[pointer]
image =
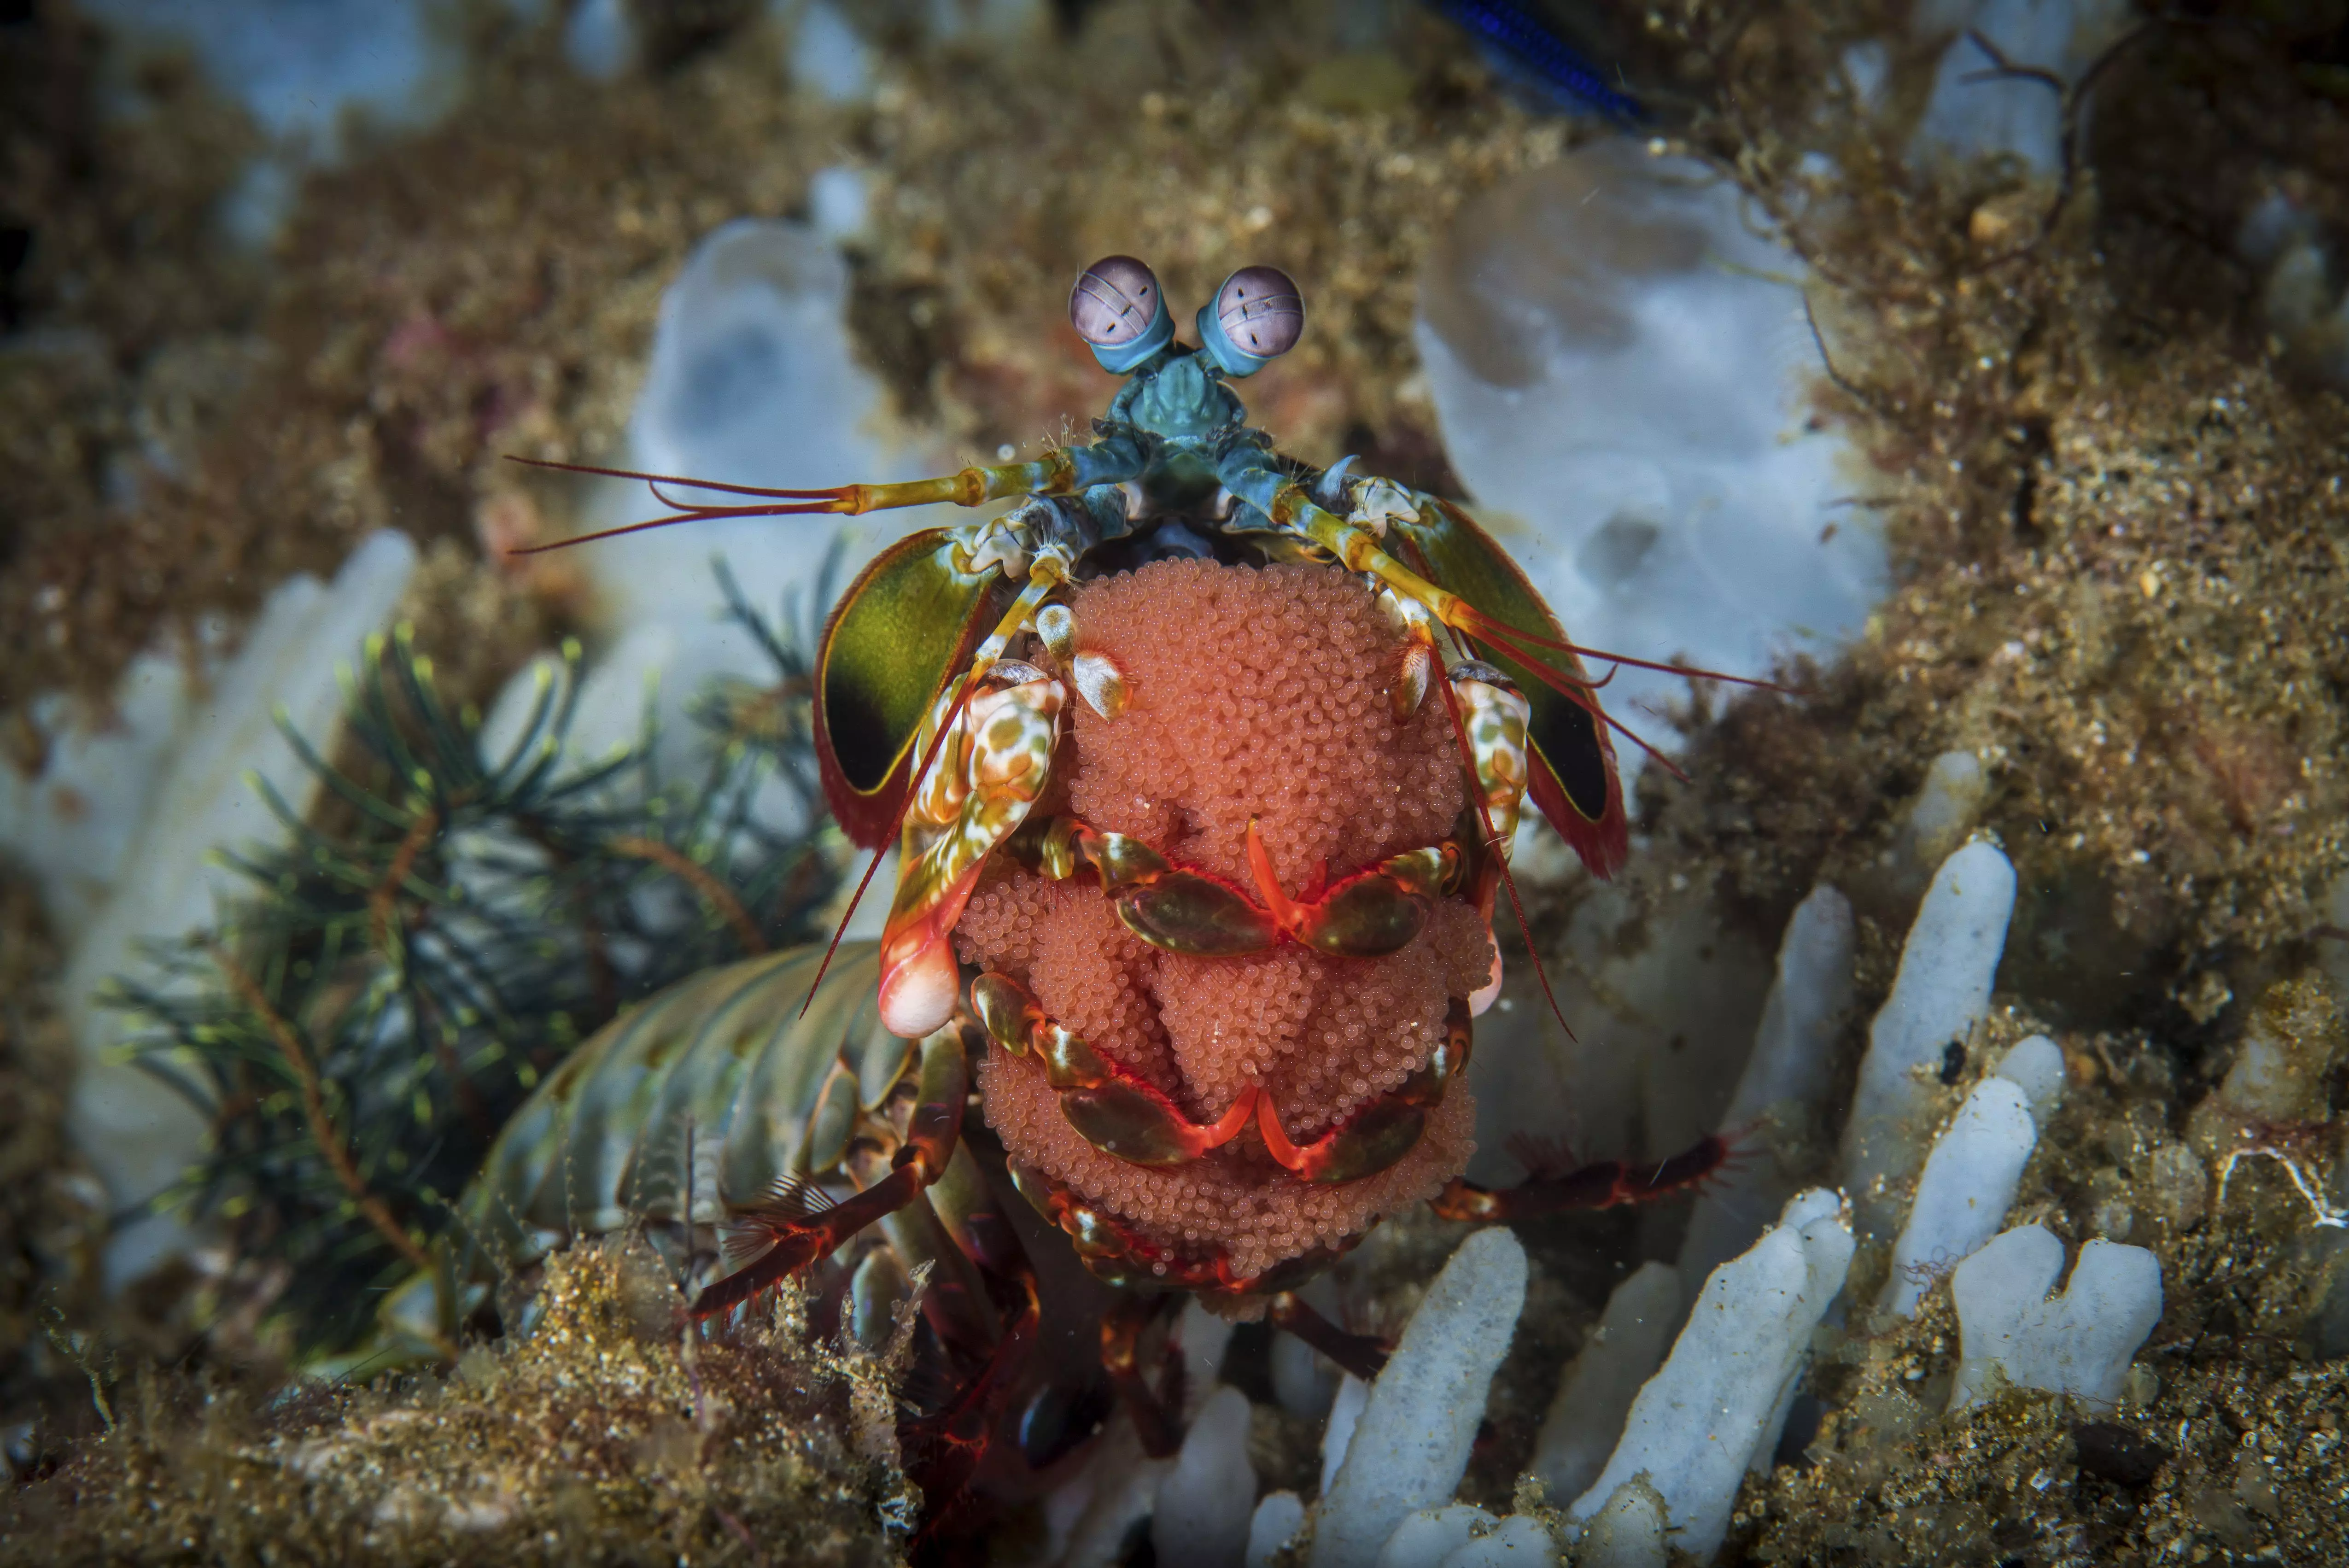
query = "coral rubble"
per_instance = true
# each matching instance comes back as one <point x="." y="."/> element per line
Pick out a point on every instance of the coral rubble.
<point x="602" y="1436"/>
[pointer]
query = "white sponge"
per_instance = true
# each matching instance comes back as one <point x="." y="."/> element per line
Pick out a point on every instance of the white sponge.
<point x="1942" y="991"/>
<point x="1698" y="1422"/>
<point x="1410" y="1444"/>
<point x="1202" y="1510"/>
<point x="1621" y="1354"/>
<point x="2078" y="1344"/>
<point x="1967" y="1187"/>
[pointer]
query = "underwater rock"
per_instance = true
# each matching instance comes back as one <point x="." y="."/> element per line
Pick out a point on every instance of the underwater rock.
<point x="1942" y="991"/>
<point x="2290" y="1042"/>
<point x="1787" y="1080"/>
<point x="1411" y="1445"/>
<point x="827" y="57"/>
<point x="198" y="777"/>
<point x="298" y="68"/>
<point x="2079" y="1342"/>
<point x="600" y="1437"/>
<point x="599" y="39"/>
<point x="2301" y="301"/>
<point x="1621" y="1354"/>
<point x="1617" y="363"/>
<point x="1966" y="1188"/>
<point x="1698" y="1423"/>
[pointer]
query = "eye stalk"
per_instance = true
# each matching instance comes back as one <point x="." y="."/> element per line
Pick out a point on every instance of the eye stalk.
<point x="1258" y="317"/>
<point x="1119" y="310"/>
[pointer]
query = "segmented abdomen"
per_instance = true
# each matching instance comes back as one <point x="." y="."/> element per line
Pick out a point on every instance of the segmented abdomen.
<point x="725" y="1064"/>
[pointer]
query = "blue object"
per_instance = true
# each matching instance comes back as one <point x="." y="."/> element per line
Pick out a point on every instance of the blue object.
<point x="1513" y="30"/>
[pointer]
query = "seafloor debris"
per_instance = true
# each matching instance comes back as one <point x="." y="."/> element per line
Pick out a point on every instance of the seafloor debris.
<point x="604" y="1436"/>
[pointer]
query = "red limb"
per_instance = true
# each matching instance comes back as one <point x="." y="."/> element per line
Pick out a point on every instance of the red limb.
<point x="1277" y="904"/>
<point x="1363" y="1356"/>
<point x="947" y="1447"/>
<point x="1602" y="1184"/>
<point x="1495" y="849"/>
<point x="1601" y="655"/>
<point x="1157" y="1412"/>
<point x="791" y="1229"/>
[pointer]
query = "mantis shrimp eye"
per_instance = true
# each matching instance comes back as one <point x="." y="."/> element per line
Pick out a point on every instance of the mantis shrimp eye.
<point x="1256" y="317"/>
<point x="1118" y="308"/>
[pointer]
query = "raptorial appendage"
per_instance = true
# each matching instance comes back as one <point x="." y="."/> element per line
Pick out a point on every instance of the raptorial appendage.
<point x="991" y="768"/>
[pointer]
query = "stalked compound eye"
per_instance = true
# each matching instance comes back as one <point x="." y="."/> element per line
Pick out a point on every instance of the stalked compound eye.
<point x="1258" y="317"/>
<point x="1118" y="308"/>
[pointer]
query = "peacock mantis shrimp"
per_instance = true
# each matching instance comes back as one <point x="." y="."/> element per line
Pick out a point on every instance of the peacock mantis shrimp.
<point x="972" y="689"/>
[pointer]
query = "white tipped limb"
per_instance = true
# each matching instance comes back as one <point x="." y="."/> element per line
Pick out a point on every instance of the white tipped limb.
<point x="1698" y="1423"/>
<point x="1942" y="991"/>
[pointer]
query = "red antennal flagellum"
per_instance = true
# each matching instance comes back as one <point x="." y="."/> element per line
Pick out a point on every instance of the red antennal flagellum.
<point x="840" y="499"/>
